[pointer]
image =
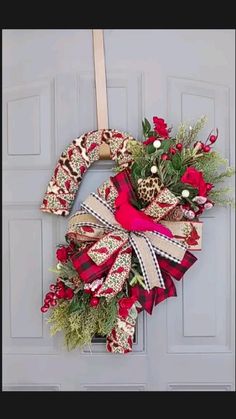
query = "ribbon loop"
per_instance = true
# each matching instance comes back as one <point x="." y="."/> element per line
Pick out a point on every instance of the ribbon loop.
<point x="112" y="239"/>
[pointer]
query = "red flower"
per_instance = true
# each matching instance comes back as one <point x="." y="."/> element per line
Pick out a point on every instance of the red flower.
<point x="150" y="140"/>
<point x="195" y="178"/>
<point x="125" y="304"/>
<point x="62" y="254"/>
<point x="160" y="127"/>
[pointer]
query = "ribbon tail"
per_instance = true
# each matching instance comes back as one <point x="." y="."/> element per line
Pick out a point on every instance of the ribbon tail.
<point x="148" y="261"/>
<point x="107" y="246"/>
<point x="117" y="274"/>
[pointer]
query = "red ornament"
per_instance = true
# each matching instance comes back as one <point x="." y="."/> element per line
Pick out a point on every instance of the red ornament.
<point x="53" y="303"/>
<point x="172" y="150"/>
<point x="179" y="146"/>
<point x="47" y="300"/>
<point x="69" y="294"/>
<point x="44" y="309"/>
<point x="52" y="287"/>
<point x="206" y="148"/>
<point x="164" y="156"/>
<point x="94" y="301"/>
<point x="213" y="139"/>
<point x="60" y="293"/>
<point x="49" y="295"/>
<point x="60" y="285"/>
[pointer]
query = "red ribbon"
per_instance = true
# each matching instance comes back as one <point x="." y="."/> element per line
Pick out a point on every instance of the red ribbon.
<point x="89" y="271"/>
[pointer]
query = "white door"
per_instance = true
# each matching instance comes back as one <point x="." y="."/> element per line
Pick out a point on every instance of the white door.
<point x="49" y="98"/>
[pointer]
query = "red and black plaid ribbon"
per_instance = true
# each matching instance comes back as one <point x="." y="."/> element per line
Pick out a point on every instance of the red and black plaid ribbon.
<point x="122" y="183"/>
<point x="89" y="271"/>
<point x="156" y="295"/>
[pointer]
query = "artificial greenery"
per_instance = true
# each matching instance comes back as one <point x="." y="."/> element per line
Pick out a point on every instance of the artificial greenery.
<point x="80" y="322"/>
<point x="214" y="168"/>
<point x="187" y="134"/>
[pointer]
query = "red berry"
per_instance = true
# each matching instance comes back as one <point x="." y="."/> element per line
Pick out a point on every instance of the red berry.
<point x="52" y="287"/>
<point x="164" y="156"/>
<point x="94" y="301"/>
<point x="49" y="295"/>
<point x="87" y="291"/>
<point x="179" y="146"/>
<point x="206" y="148"/>
<point x="44" y="308"/>
<point x="213" y="139"/>
<point x="53" y="303"/>
<point x="172" y="150"/>
<point x="69" y="294"/>
<point x="60" y="293"/>
<point x="60" y="285"/>
<point x="47" y="300"/>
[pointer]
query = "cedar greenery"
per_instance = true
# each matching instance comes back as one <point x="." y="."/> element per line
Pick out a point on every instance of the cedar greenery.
<point x="80" y="322"/>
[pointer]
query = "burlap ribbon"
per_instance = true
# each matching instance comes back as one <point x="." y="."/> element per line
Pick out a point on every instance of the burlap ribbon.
<point x="112" y="238"/>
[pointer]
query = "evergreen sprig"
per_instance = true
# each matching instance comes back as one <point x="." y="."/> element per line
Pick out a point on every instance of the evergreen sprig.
<point x="187" y="134"/>
<point x="81" y="325"/>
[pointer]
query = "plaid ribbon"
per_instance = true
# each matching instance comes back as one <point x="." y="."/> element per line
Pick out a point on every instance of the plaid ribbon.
<point x="98" y="260"/>
<point x="169" y="269"/>
<point x="145" y="244"/>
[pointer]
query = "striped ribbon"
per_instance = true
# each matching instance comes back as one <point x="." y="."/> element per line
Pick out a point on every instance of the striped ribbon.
<point x="145" y="244"/>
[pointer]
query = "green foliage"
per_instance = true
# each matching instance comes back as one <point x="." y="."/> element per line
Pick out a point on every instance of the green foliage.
<point x="65" y="270"/>
<point x="187" y="135"/>
<point x="219" y="197"/>
<point x="146" y="128"/>
<point x="80" y="322"/>
<point x="214" y="167"/>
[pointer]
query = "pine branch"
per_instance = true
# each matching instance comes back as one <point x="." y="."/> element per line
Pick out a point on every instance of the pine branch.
<point x="187" y="135"/>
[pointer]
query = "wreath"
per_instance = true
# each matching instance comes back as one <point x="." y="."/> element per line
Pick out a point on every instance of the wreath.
<point x="133" y="236"/>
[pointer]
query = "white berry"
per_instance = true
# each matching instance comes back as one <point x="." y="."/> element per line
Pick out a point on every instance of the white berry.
<point x="185" y="193"/>
<point x="153" y="169"/>
<point x="157" y="144"/>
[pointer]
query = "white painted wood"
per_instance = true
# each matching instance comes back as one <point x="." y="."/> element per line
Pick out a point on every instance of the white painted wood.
<point x="18" y="111"/>
<point x="28" y="125"/>
<point x="188" y="342"/>
<point x="25" y="240"/>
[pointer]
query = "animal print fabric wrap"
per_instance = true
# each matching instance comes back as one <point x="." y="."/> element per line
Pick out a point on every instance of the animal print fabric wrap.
<point x="74" y="162"/>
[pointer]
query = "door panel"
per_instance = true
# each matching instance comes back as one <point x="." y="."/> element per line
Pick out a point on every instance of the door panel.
<point x="187" y="344"/>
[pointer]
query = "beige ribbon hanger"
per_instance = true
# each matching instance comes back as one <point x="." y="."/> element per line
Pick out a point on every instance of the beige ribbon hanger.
<point x="101" y="89"/>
